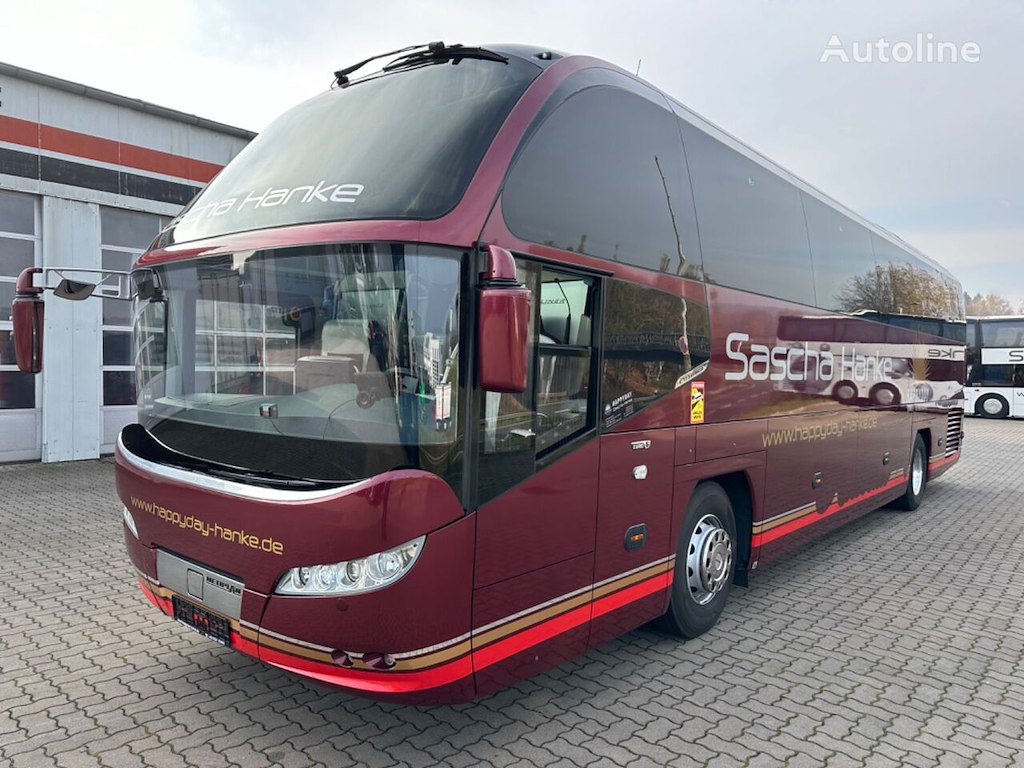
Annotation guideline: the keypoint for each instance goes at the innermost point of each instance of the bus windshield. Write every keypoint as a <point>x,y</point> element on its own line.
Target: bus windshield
<point>399,145</point>
<point>329,362</point>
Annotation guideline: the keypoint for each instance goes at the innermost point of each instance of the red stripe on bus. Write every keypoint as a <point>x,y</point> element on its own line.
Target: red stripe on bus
<point>376,682</point>
<point>943,462</point>
<point>87,146</point>
<point>812,517</point>
<point>457,669</point>
<point>502,649</point>
<point>448,672</point>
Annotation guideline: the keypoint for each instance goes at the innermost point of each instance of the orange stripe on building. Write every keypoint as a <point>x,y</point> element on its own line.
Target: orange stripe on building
<point>89,147</point>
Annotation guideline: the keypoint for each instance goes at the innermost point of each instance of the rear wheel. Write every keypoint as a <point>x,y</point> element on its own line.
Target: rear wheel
<point>911,498</point>
<point>992,407</point>
<point>704,563</point>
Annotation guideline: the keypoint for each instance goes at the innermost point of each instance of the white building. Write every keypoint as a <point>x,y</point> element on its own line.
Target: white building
<point>87,179</point>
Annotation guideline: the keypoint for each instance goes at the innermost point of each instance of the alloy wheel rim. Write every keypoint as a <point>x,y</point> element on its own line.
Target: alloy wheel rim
<point>708,560</point>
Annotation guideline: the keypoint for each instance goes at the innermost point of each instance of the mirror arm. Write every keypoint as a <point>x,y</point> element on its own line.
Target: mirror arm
<point>501,267</point>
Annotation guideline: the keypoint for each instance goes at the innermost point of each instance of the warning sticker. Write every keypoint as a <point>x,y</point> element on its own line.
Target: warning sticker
<point>697,402</point>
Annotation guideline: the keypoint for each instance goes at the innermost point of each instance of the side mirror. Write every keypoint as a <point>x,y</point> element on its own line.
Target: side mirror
<point>503,325</point>
<point>27,315</point>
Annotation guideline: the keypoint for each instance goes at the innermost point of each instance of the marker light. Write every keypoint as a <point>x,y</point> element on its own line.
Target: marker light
<point>352,576</point>
<point>130,521</point>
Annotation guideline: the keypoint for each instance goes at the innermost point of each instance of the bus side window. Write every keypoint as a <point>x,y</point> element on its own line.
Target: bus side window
<point>564,358</point>
<point>517,430</point>
<point>654,343</point>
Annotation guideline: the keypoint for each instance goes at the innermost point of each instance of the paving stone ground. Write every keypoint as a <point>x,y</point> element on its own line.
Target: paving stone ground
<point>897,641</point>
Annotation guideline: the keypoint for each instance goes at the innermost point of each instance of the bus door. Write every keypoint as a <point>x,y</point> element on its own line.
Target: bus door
<point>634,521</point>
<point>537,491</point>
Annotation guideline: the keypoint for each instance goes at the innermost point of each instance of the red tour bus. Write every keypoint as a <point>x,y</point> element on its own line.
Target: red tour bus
<point>469,365</point>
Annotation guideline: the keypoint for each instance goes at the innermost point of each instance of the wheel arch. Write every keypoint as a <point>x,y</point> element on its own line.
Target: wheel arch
<point>929,449</point>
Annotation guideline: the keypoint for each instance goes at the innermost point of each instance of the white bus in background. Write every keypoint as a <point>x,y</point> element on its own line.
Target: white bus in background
<point>995,367</point>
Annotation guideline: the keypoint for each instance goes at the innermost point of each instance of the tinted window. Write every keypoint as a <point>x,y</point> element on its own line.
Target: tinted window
<point>972,334</point>
<point>17,390</point>
<point>401,145</point>
<point>604,175</point>
<point>15,255</point>
<point>654,342</point>
<point>1002,333</point>
<point>906,285</point>
<point>997,375</point>
<point>752,230</point>
<point>844,263</point>
<point>128,229</point>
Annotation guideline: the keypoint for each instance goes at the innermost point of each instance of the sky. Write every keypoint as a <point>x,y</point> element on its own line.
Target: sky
<point>931,151</point>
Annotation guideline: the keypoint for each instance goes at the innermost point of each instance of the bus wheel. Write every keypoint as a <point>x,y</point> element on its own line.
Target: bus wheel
<point>911,498</point>
<point>884,394</point>
<point>992,407</point>
<point>845,392</point>
<point>704,563</point>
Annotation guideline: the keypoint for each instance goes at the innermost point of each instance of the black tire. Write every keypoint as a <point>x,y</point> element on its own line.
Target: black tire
<point>992,407</point>
<point>917,479</point>
<point>708,530</point>
<point>884,394</point>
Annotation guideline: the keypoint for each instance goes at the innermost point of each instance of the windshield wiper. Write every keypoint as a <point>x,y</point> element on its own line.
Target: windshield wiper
<point>429,53</point>
<point>267,478</point>
<point>439,52</point>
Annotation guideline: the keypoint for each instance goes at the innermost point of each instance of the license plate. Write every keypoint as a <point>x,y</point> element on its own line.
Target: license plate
<point>202,621</point>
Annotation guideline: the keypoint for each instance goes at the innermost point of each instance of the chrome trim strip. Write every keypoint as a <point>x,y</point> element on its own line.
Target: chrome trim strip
<point>433,648</point>
<point>229,487</point>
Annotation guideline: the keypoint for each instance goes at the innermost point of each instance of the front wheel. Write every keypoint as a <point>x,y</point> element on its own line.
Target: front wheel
<point>704,563</point>
<point>992,407</point>
<point>911,498</point>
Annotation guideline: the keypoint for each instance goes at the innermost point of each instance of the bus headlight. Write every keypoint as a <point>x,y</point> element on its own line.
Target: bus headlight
<point>922,392</point>
<point>352,576</point>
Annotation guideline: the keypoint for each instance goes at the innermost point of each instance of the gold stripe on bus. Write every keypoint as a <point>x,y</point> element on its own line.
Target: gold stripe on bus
<point>456,650</point>
<point>567,605</point>
<point>528,621</point>
<point>628,581</point>
<point>787,517</point>
<point>897,473</point>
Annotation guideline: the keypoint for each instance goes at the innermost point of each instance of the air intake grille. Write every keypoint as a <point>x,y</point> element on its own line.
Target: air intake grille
<point>954,425</point>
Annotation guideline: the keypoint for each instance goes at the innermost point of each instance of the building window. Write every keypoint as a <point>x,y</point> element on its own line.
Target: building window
<point>19,248</point>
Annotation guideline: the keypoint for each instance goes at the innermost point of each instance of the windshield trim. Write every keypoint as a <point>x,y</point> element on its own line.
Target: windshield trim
<point>230,487</point>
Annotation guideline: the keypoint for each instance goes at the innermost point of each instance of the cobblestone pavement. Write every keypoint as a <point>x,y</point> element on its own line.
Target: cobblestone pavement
<point>896,641</point>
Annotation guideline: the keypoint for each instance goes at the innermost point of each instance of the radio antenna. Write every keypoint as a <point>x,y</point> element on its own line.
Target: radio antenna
<point>638,63</point>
